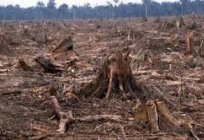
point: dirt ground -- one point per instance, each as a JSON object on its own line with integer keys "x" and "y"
{"x": 25, "y": 113}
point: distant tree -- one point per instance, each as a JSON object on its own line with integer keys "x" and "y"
{"x": 74, "y": 12}
{"x": 116, "y": 1}
{"x": 109, "y": 3}
{"x": 63, "y": 10}
{"x": 146, "y": 4}
{"x": 17, "y": 6}
{"x": 40, "y": 4}
{"x": 110, "y": 9}
{"x": 87, "y": 10}
{"x": 113, "y": 9}
{"x": 51, "y": 4}
{"x": 184, "y": 6}
{"x": 39, "y": 11}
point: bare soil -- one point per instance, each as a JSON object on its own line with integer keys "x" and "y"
{"x": 25, "y": 113}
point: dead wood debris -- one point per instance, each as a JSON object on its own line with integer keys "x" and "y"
{"x": 66, "y": 118}
{"x": 116, "y": 75}
{"x": 153, "y": 110}
{"x": 174, "y": 61}
{"x": 23, "y": 65}
{"x": 64, "y": 46}
{"x": 14, "y": 92}
{"x": 48, "y": 64}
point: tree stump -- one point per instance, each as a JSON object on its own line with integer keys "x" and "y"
{"x": 49, "y": 65}
{"x": 63, "y": 47}
{"x": 115, "y": 76}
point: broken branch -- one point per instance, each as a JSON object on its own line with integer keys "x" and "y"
{"x": 67, "y": 117}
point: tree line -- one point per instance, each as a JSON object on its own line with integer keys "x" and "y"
{"x": 113, "y": 9}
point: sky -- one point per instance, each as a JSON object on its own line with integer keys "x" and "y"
{"x": 29, "y": 3}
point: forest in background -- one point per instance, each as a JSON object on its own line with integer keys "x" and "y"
{"x": 113, "y": 9}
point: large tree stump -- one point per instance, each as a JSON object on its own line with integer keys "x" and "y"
{"x": 116, "y": 76}
{"x": 153, "y": 110}
{"x": 180, "y": 22}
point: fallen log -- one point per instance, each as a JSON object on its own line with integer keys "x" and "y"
{"x": 48, "y": 64}
{"x": 11, "y": 92}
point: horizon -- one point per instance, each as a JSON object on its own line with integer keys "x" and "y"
{"x": 30, "y": 3}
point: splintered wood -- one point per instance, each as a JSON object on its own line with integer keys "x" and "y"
{"x": 118, "y": 73}
{"x": 152, "y": 112}
{"x": 94, "y": 81}
{"x": 189, "y": 43}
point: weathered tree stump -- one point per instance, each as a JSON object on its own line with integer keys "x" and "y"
{"x": 116, "y": 76}
{"x": 180, "y": 22}
{"x": 154, "y": 110}
{"x": 189, "y": 43}
{"x": 63, "y": 47}
{"x": 48, "y": 64}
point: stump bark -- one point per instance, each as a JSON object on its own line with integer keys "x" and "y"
{"x": 116, "y": 76}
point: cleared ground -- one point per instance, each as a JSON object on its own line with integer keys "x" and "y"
{"x": 24, "y": 112}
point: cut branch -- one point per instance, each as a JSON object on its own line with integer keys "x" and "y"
{"x": 114, "y": 118}
{"x": 66, "y": 118}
